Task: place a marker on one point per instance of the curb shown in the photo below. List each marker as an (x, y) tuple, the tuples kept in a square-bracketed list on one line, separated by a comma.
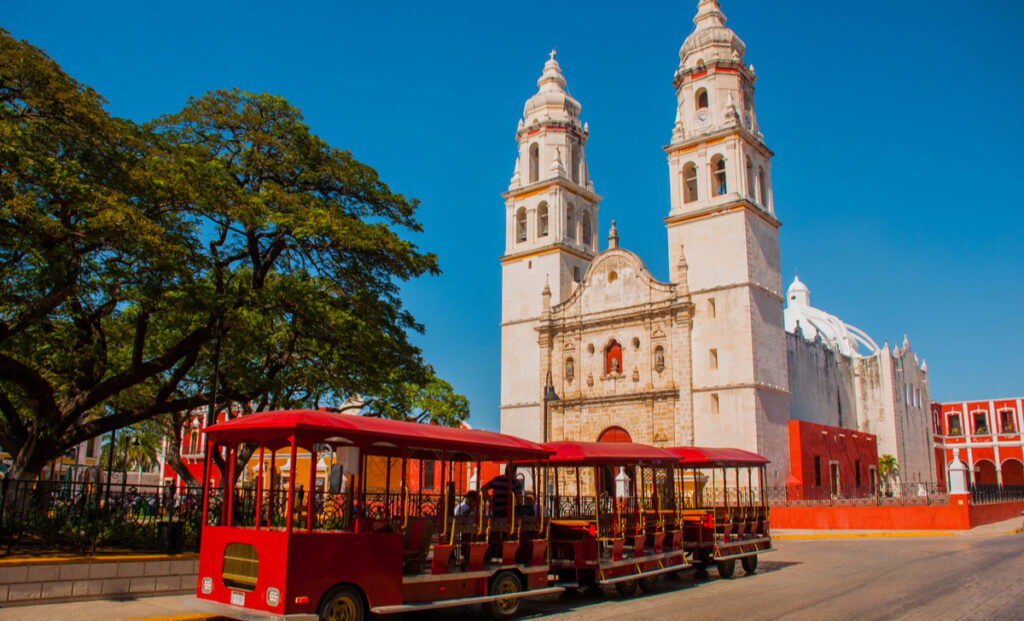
[(113, 558), (191, 617), (937, 533)]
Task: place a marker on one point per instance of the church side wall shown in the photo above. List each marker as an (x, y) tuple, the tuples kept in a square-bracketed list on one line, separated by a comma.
[(821, 384)]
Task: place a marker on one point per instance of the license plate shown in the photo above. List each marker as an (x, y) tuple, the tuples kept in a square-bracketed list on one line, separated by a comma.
[(237, 598)]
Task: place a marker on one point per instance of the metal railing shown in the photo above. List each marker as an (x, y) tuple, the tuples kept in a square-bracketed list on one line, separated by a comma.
[(897, 494), (989, 494), (82, 517)]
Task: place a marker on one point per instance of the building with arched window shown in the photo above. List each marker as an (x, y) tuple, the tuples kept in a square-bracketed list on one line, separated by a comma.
[(987, 436)]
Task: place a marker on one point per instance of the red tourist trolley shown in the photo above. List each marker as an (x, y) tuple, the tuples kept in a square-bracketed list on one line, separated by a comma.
[(382, 529), (384, 543), (725, 507), (614, 515)]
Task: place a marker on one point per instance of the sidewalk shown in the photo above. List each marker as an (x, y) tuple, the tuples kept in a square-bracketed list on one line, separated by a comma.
[(1011, 526), (164, 608)]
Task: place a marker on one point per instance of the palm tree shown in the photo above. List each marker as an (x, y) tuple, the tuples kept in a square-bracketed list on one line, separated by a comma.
[(136, 448), (887, 470)]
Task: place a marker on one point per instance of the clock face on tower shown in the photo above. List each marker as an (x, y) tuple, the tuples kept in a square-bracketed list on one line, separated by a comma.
[(703, 118)]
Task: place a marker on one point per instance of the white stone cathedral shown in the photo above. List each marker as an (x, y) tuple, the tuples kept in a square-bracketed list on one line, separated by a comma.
[(593, 347)]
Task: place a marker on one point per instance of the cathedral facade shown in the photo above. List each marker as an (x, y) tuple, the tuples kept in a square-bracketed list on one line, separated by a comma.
[(595, 348)]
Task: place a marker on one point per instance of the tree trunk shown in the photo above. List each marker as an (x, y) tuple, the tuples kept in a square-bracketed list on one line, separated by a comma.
[(173, 457)]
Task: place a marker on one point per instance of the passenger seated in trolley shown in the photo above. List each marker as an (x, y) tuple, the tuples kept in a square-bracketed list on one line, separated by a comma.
[(505, 489), (466, 511)]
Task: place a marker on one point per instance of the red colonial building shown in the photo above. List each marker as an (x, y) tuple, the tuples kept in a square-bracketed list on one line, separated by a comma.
[(987, 437)]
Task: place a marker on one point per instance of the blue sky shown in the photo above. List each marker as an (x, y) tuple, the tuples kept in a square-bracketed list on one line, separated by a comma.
[(895, 126)]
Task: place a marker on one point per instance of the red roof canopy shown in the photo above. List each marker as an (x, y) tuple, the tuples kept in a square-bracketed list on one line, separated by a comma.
[(717, 457), (591, 453), (378, 435)]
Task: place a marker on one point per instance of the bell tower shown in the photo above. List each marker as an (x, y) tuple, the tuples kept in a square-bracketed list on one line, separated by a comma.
[(550, 239), (723, 214)]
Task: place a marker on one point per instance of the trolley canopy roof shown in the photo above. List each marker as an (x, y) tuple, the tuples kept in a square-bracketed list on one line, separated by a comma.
[(376, 435), (717, 457), (590, 453)]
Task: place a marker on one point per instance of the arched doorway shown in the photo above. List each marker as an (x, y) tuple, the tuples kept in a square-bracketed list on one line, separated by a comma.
[(984, 472), (1013, 472), (615, 482), (614, 434)]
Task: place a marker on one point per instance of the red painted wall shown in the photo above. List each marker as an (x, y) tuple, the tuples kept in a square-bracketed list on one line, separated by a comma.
[(830, 445), (958, 515)]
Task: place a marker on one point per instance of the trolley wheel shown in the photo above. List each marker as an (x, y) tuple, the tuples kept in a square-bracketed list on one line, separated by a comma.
[(749, 564), (726, 568), (502, 584), (342, 603), (649, 584), (626, 588)]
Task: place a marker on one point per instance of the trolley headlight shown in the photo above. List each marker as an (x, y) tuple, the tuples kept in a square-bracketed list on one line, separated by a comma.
[(273, 596), (207, 585)]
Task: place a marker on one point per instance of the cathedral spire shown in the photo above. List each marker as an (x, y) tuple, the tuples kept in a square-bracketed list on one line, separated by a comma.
[(709, 15), (613, 237), (551, 79)]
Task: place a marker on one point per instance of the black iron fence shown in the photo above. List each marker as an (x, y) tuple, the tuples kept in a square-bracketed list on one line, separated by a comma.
[(84, 517), (902, 494), (988, 494)]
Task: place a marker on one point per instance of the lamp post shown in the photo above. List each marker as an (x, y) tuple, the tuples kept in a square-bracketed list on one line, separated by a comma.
[(211, 412)]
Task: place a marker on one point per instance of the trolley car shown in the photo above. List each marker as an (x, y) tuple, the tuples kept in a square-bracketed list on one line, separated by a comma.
[(278, 552), (725, 514), (385, 532), (614, 516)]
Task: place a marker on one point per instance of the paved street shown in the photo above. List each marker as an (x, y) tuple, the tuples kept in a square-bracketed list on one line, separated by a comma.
[(935, 578), (931, 578)]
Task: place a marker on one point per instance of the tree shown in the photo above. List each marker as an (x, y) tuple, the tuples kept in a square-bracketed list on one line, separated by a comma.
[(433, 402), (887, 470), (130, 254)]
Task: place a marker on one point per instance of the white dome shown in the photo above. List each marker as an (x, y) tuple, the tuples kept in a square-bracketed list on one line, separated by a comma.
[(814, 323)]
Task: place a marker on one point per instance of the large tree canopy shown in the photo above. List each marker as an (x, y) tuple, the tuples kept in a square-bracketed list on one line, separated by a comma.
[(129, 254)]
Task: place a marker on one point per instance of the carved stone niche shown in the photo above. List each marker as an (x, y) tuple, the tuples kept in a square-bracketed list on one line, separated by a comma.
[(636, 374), (590, 379)]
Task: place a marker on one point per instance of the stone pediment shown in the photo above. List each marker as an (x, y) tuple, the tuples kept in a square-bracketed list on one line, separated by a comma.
[(616, 279)]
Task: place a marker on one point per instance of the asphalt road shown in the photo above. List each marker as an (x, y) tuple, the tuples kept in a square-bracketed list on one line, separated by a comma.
[(934, 578)]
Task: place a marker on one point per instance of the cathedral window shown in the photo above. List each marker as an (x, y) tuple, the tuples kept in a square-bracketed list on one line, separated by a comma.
[(521, 225), (714, 403), (718, 175), (659, 358), (711, 308), (570, 370), (702, 99), (576, 273), (762, 190), (700, 64), (193, 442), (534, 162), (613, 359), (542, 220), (713, 358), (575, 163), (689, 182), (585, 225), (751, 180), (570, 222)]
